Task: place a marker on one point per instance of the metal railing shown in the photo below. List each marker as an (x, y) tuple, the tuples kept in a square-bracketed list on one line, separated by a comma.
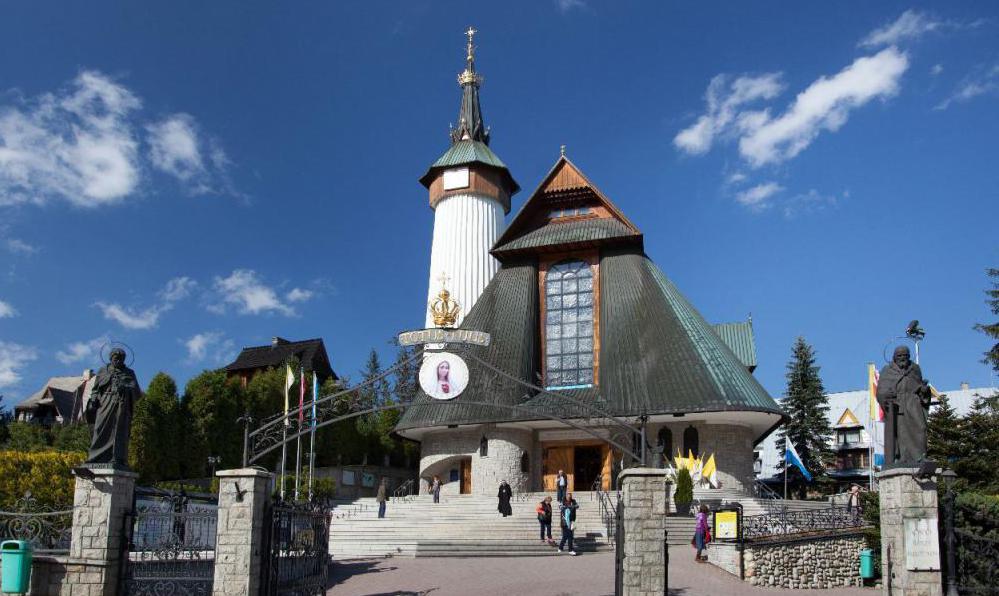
[(47, 529), (793, 523), (608, 512), (404, 492)]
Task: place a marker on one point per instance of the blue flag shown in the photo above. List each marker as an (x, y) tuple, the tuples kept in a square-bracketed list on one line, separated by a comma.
[(791, 456), (315, 396)]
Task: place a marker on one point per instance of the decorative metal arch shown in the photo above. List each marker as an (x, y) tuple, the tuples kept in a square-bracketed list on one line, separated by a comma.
[(281, 429)]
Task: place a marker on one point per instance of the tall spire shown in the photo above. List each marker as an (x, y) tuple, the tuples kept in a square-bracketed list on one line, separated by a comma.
[(470, 124)]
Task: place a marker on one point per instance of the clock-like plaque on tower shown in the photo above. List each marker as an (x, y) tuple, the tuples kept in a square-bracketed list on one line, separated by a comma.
[(454, 179), (443, 375)]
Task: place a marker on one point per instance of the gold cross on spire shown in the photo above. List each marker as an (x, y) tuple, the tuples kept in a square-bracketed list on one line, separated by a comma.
[(443, 279), (471, 48)]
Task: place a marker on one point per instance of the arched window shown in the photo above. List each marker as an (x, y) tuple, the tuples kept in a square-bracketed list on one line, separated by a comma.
[(483, 447), (569, 324), (690, 441), (525, 463), (666, 442)]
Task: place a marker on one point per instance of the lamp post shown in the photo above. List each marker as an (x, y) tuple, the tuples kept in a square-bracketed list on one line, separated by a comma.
[(214, 460), (951, 539)]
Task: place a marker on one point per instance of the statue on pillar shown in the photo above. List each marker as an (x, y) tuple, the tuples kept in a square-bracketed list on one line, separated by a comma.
[(905, 398), (110, 411)]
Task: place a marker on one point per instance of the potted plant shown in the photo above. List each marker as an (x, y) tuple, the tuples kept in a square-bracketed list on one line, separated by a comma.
[(684, 494)]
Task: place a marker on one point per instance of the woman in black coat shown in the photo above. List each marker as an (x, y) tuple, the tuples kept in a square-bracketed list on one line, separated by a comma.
[(505, 494)]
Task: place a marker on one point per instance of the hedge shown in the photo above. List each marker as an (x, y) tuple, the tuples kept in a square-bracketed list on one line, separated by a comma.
[(46, 474)]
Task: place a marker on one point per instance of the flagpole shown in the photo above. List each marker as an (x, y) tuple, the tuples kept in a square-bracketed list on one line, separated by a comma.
[(785, 473), (312, 432), (284, 449), (298, 455)]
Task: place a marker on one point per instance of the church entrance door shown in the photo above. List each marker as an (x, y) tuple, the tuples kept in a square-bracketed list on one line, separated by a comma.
[(588, 465), (465, 487), (555, 459)]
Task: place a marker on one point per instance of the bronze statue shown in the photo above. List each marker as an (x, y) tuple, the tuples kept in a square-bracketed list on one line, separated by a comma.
[(905, 398), (110, 411)]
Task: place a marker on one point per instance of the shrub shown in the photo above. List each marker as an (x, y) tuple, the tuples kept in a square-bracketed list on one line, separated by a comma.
[(684, 487), (46, 474)]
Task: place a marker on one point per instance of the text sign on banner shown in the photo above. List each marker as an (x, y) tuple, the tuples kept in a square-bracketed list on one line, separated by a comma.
[(444, 336)]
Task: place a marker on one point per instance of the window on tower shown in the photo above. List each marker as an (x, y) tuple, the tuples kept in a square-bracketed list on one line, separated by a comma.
[(569, 212), (569, 325)]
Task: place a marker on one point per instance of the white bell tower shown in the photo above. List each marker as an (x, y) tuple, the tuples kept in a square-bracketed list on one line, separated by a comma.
[(470, 191)]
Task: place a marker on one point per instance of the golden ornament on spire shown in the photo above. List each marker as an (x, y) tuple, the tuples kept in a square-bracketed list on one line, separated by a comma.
[(443, 309), (469, 76)]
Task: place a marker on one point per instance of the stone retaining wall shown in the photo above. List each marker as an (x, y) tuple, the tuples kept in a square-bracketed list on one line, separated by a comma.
[(62, 576), (829, 561)]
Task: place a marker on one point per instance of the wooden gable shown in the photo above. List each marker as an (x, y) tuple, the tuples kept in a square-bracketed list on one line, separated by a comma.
[(848, 419)]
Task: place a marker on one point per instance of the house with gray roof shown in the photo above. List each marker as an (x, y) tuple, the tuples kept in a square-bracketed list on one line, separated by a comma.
[(60, 401)]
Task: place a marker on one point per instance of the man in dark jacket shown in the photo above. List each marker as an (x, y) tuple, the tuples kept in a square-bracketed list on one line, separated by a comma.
[(504, 495), (905, 398)]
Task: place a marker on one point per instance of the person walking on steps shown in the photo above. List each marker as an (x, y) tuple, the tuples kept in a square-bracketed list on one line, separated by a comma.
[(701, 533), (504, 494), (380, 497), (436, 489), (561, 486), (567, 519), (544, 511)]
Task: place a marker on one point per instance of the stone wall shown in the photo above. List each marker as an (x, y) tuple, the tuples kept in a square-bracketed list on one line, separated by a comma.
[(63, 576), (442, 451), (827, 562), (644, 496), (732, 446)]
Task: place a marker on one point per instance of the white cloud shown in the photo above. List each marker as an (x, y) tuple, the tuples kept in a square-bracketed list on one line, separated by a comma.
[(175, 290), (20, 247), (6, 310), (936, 69), (758, 197), (77, 144), (81, 144), (810, 201), (984, 82), (13, 358), (244, 290), (567, 5), (724, 100), (824, 105), (299, 295), (178, 288), (210, 344), (130, 318), (910, 25), (82, 351)]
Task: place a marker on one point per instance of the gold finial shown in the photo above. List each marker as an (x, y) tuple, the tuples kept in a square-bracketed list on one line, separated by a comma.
[(443, 309), (471, 48), (469, 75), (562, 149)]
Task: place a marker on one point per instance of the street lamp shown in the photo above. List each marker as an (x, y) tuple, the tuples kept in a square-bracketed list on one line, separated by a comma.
[(214, 460)]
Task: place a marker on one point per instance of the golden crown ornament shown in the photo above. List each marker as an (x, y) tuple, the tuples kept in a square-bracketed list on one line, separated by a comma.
[(443, 309)]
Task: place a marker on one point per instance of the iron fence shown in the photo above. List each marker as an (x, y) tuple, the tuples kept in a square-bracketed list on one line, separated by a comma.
[(48, 529), (170, 548), (298, 549), (793, 523)]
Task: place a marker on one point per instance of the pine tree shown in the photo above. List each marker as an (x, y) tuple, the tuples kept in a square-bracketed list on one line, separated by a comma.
[(374, 392), (981, 445), (806, 405), (154, 449), (992, 329), (214, 403), (944, 434)]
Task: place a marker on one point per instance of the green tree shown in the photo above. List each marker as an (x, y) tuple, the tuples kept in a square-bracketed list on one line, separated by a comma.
[(981, 445), (71, 437), (27, 436), (806, 405), (5, 418), (155, 449), (992, 329), (944, 434), (214, 404), (374, 391), (404, 391)]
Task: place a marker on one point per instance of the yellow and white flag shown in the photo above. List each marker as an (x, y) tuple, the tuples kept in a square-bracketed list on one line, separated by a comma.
[(289, 381)]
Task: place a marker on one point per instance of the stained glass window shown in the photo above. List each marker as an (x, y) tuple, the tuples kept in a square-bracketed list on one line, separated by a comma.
[(569, 324)]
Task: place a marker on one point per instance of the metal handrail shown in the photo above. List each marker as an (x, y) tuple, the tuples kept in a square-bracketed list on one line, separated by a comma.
[(404, 491)]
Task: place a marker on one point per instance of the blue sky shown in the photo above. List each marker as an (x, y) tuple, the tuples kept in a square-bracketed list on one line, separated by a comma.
[(194, 177)]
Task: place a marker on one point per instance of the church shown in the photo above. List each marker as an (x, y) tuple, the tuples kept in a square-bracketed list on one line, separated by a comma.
[(573, 306)]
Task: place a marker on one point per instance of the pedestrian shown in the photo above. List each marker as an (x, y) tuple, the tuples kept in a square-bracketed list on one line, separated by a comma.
[(544, 511), (504, 494), (853, 500), (567, 520), (561, 486), (436, 489), (380, 497), (701, 533)]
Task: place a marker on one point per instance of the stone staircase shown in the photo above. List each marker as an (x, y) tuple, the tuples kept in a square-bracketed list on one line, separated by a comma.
[(469, 526)]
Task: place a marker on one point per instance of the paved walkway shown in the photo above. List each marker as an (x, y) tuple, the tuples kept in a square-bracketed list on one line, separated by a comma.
[(558, 575)]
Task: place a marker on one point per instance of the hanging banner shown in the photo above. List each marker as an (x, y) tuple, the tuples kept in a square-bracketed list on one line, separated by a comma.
[(444, 336), (443, 375)]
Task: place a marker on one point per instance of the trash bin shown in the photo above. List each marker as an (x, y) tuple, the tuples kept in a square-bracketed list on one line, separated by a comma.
[(867, 564), (15, 575)]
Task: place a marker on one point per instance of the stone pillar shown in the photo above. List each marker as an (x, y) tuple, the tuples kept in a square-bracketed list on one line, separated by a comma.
[(239, 556), (100, 504), (643, 492), (909, 529)]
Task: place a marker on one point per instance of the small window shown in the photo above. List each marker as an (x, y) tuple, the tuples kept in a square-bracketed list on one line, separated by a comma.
[(525, 463), (570, 212), (484, 447), (691, 441), (666, 442)]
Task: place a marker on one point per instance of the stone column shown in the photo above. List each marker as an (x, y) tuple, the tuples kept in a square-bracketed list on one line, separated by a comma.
[(239, 556), (643, 492), (100, 504), (909, 529)]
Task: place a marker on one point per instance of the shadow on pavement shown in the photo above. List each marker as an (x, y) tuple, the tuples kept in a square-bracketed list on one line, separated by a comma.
[(344, 570)]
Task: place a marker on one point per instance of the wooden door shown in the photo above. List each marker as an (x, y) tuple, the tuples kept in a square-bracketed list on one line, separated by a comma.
[(466, 477), (605, 474), (555, 459)]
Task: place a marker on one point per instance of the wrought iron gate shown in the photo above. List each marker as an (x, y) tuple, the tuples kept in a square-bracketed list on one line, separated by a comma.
[(297, 547), (170, 547)]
